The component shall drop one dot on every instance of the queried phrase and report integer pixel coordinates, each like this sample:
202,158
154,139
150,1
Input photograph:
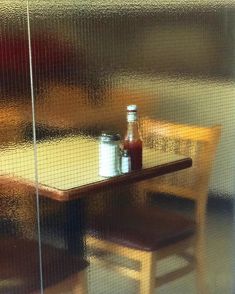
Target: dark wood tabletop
68,167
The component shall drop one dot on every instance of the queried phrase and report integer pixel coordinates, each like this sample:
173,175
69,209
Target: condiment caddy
113,160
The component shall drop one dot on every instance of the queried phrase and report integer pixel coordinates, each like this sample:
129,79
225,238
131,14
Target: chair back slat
199,143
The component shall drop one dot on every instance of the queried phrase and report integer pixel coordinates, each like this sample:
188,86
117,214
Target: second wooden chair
148,234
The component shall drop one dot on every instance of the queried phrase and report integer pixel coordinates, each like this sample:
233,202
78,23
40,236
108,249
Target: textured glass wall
18,213
90,59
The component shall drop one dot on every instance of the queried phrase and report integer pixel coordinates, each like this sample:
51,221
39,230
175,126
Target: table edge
78,192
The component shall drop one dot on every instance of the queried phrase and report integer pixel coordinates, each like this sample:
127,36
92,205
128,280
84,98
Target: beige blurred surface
67,107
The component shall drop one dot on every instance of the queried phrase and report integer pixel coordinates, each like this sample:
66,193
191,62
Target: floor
219,245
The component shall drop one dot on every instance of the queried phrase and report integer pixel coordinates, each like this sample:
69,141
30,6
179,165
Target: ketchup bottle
132,141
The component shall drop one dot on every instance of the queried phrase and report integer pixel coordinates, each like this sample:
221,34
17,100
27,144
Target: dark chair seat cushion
20,269
146,228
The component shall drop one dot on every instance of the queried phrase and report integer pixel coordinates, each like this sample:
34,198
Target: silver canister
109,154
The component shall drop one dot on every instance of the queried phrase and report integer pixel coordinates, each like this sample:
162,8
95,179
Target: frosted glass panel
90,60
16,115
18,213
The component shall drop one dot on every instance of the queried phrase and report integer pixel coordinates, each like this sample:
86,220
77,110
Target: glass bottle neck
132,131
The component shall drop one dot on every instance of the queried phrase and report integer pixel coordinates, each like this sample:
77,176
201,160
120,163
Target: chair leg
81,287
201,271
147,280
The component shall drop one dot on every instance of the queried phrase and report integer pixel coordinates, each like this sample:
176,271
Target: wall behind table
87,46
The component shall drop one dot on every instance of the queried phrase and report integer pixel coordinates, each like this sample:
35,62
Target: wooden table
68,171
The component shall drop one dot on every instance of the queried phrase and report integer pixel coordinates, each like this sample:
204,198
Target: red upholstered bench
20,268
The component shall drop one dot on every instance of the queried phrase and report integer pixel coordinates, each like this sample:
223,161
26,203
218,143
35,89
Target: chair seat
20,270
146,229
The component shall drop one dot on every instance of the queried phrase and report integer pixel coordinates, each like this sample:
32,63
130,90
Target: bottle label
131,116
108,160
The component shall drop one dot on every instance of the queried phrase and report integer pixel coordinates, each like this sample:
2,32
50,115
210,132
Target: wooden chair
20,269
148,234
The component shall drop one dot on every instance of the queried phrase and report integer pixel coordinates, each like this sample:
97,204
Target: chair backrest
197,142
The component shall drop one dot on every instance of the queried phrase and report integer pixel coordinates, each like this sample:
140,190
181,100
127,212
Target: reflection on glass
89,62
17,206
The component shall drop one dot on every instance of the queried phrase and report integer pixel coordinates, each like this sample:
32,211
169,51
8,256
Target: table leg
74,228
